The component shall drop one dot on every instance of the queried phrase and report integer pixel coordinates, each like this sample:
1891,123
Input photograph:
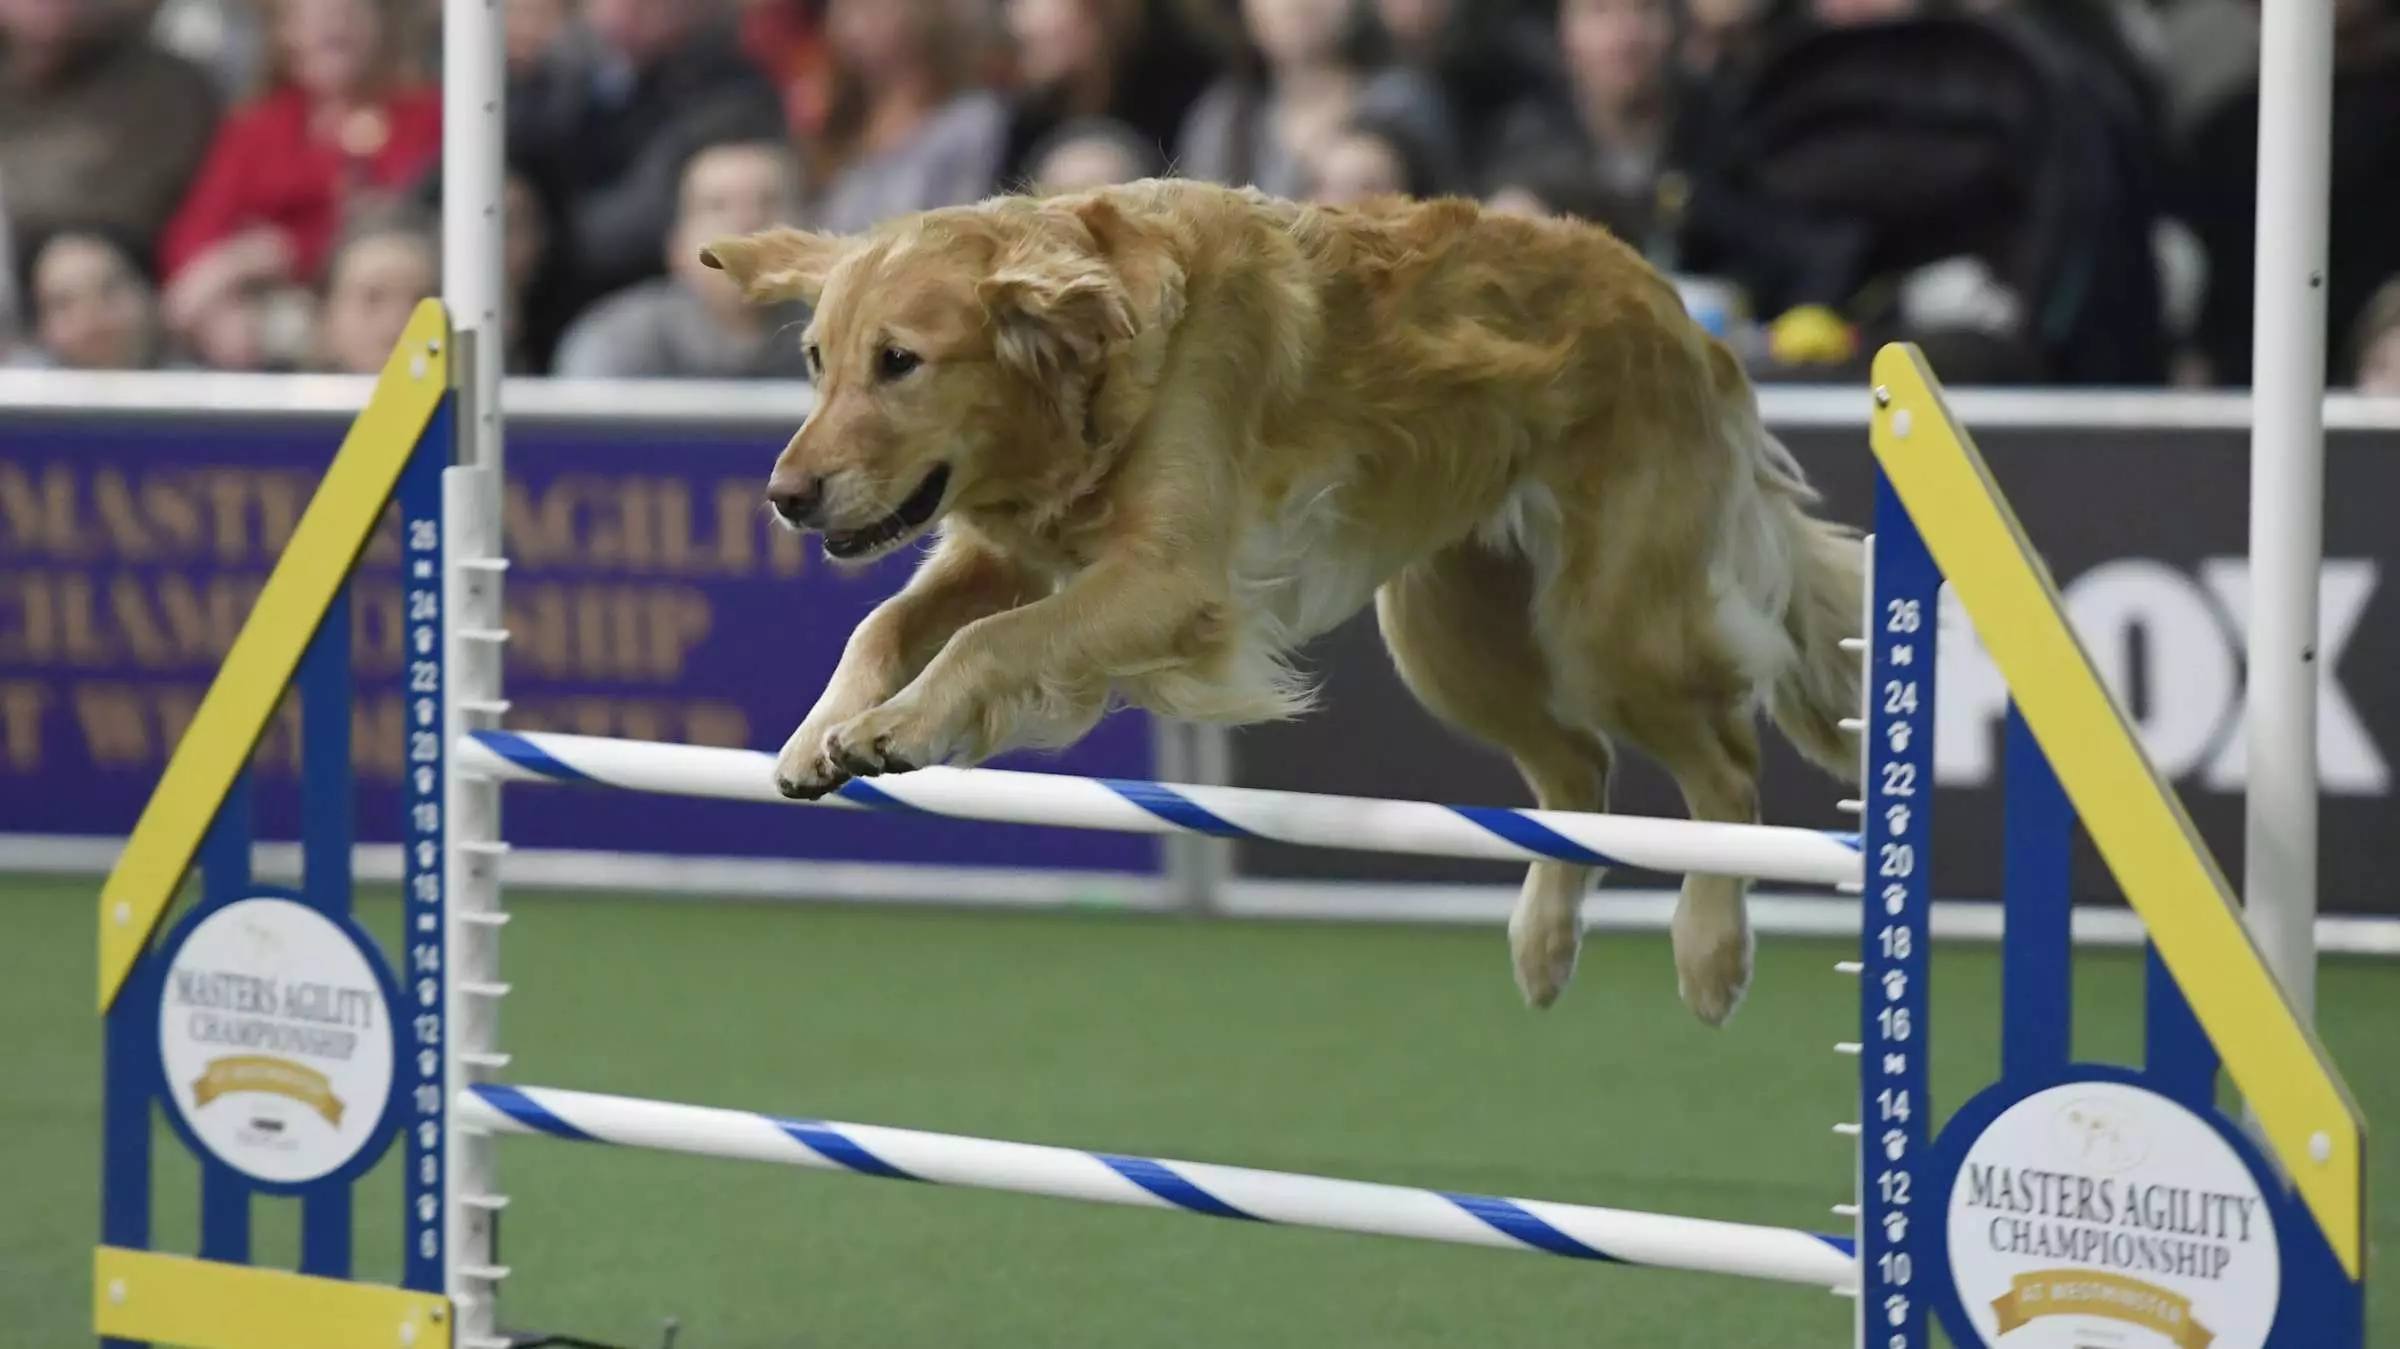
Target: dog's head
956,355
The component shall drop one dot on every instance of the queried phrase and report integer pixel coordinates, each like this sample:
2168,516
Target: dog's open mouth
905,520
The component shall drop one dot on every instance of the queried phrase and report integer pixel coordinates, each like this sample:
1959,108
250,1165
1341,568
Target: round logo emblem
2099,1213
276,1040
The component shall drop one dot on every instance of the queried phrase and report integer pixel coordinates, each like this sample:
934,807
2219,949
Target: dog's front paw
893,738
804,771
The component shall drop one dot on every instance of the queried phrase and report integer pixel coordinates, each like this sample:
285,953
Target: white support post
474,640
1855,969
2287,488
474,258
1195,754
473,285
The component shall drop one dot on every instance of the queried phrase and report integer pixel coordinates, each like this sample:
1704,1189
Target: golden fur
1187,428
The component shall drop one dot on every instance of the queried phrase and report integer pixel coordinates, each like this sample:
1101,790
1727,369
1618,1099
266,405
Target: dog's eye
893,362
816,359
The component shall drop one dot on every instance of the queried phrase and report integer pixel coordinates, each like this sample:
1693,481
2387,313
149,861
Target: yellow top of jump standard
340,518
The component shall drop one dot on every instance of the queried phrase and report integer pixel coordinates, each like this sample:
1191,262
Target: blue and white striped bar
1761,852
1572,1230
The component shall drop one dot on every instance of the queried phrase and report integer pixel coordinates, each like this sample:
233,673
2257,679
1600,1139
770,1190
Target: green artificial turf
1379,1053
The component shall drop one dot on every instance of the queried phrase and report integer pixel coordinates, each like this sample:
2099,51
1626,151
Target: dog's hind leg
1459,628
1711,749
1637,651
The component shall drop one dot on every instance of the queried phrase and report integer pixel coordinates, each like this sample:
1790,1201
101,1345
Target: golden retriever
1169,432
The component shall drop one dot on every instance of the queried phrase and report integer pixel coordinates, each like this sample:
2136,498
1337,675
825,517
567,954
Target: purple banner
648,597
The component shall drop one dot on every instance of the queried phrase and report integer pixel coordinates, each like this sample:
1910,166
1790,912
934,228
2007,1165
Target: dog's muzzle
910,516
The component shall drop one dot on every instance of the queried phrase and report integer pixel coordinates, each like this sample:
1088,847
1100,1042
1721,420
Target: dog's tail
1820,688
1815,687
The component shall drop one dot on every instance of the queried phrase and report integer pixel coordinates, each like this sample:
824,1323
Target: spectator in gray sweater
692,322
907,129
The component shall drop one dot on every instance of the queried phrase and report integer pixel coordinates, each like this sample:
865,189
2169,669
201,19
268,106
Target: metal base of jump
1575,1231
1762,852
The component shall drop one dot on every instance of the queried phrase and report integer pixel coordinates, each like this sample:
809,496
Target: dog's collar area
909,515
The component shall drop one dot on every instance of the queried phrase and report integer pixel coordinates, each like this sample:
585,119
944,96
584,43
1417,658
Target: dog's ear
778,264
1143,258
1054,314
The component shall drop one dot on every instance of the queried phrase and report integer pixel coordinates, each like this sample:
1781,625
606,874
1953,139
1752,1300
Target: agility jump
291,1051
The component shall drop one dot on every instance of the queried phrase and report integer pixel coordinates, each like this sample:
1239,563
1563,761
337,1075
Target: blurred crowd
2040,191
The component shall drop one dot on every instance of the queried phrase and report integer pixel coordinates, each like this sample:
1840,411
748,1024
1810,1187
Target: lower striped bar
1575,1231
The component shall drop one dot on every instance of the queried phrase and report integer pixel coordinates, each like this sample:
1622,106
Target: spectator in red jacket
346,125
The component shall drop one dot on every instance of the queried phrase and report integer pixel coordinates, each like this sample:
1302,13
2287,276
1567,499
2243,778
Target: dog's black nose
797,500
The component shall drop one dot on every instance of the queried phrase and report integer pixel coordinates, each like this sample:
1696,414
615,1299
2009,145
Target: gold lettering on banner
22,704
646,525
679,618
2117,1297
587,716
540,530
228,500
40,517
201,626
172,514
136,726
31,635
723,724
641,721
634,545
115,725
156,620
677,555
130,607
639,632
537,627
604,640
228,515
741,506
79,626
129,535
272,1075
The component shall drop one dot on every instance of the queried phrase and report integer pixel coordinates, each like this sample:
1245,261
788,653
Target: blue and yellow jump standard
275,996
2068,1193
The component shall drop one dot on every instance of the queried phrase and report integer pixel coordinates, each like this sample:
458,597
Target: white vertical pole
473,256
474,262
1198,754
2287,487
